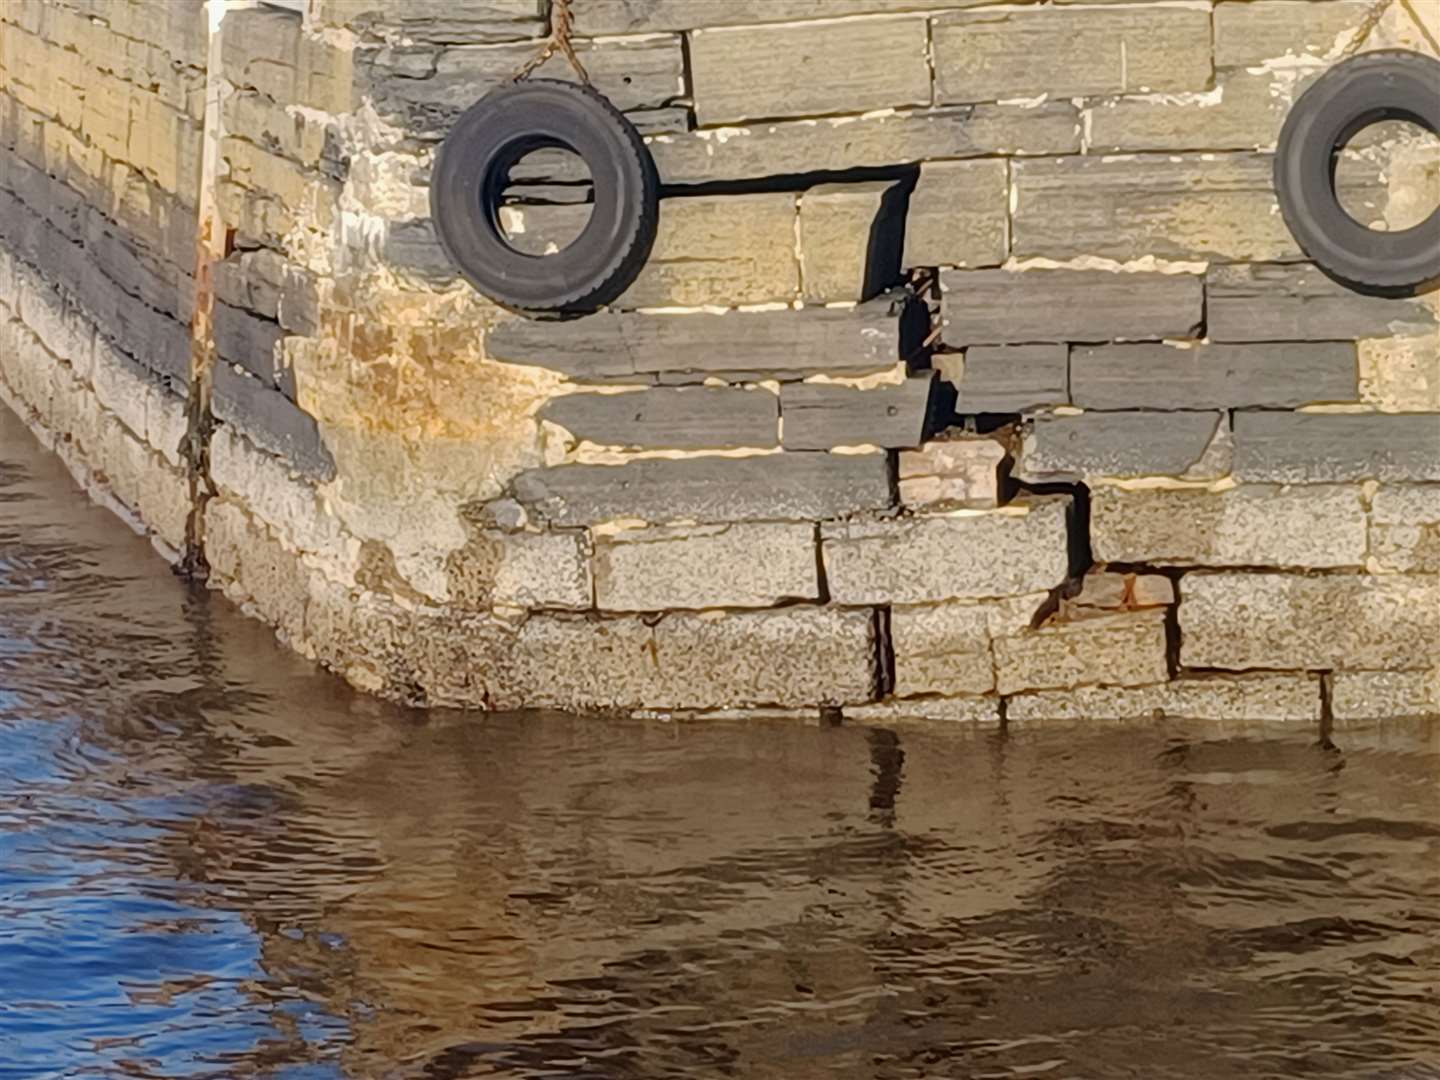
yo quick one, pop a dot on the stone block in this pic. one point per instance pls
(1290, 698)
(532, 570)
(955, 472)
(1088, 649)
(764, 71)
(1185, 207)
(1012, 378)
(1405, 529)
(623, 345)
(1024, 52)
(437, 21)
(1385, 695)
(1317, 527)
(1282, 621)
(272, 421)
(1297, 302)
(1277, 375)
(687, 418)
(257, 118)
(960, 710)
(850, 239)
(959, 214)
(1121, 444)
(1310, 448)
(1001, 307)
(968, 554)
(720, 249)
(795, 487)
(1249, 34)
(1245, 111)
(882, 140)
(254, 569)
(818, 416)
(122, 386)
(942, 648)
(1108, 590)
(594, 17)
(746, 564)
(253, 343)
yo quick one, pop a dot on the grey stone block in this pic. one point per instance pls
(684, 418)
(850, 239)
(793, 487)
(1276, 302)
(1251, 109)
(1385, 695)
(1121, 444)
(594, 17)
(623, 345)
(1094, 649)
(1212, 376)
(412, 247)
(252, 342)
(1000, 307)
(271, 421)
(1013, 378)
(1289, 698)
(1327, 447)
(959, 214)
(471, 22)
(1247, 35)
(819, 416)
(1016, 549)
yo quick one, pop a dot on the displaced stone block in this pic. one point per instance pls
(955, 472)
(795, 487)
(272, 421)
(692, 418)
(1319, 527)
(1310, 448)
(1019, 548)
(521, 569)
(959, 710)
(1107, 649)
(818, 416)
(1000, 307)
(886, 139)
(1010, 378)
(1290, 698)
(1193, 206)
(1107, 590)
(850, 239)
(1385, 695)
(1279, 375)
(959, 214)
(1297, 302)
(1354, 622)
(763, 71)
(1125, 444)
(747, 564)
(993, 55)
(1405, 529)
(1249, 34)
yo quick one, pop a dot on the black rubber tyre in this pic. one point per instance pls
(471, 172)
(1388, 85)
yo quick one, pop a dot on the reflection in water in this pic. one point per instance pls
(216, 862)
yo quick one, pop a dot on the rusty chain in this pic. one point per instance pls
(562, 22)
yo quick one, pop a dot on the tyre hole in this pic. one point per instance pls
(546, 201)
(1387, 176)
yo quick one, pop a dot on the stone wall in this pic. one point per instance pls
(974, 372)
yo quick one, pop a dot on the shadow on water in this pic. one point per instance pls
(217, 862)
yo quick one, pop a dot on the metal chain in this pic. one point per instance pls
(561, 24)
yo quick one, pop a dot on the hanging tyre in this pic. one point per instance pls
(472, 171)
(1378, 86)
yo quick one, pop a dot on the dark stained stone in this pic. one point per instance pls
(1158, 376)
(1322, 447)
(819, 416)
(470, 22)
(1119, 443)
(271, 421)
(250, 341)
(787, 486)
(1285, 302)
(1012, 378)
(689, 418)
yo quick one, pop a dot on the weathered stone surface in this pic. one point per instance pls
(1318, 527)
(1267, 698)
(1249, 34)
(1107, 590)
(521, 569)
(1279, 621)
(1299, 303)
(267, 50)
(687, 418)
(740, 74)
(272, 421)
(962, 710)
(786, 486)
(747, 564)
(1192, 206)
(1122, 444)
(1209, 376)
(819, 416)
(999, 307)
(994, 55)
(850, 239)
(622, 345)
(1405, 529)
(252, 342)
(1309, 448)
(1012, 378)
(1106, 649)
(594, 17)
(1020, 548)
(955, 472)
(254, 569)
(959, 214)
(942, 648)
(720, 249)
(872, 141)
(1245, 111)
(442, 21)
(1385, 695)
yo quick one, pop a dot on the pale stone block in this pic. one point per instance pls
(746, 564)
(1284, 621)
(1114, 591)
(1405, 528)
(942, 649)
(850, 238)
(1385, 695)
(959, 710)
(166, 425)
(1249, 34)
(522, 569)
(1245, 111)
(958, 472)
(1126, 649)
(1288, 698)
(959, 214)
(120, 389)
(254, 570)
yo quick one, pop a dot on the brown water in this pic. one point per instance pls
(217, 862)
